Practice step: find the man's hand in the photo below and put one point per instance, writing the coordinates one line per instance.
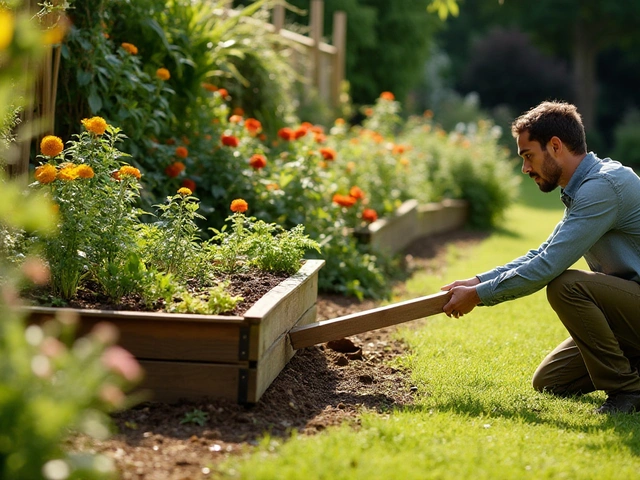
(464, 297)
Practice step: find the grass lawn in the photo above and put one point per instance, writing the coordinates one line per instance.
(476, 415)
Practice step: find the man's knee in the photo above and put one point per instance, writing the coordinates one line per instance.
(559, 289)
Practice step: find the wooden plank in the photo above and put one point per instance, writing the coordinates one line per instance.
(324, 331)
(173, 381)
(280, 309)
(179, 339)
(274, 360)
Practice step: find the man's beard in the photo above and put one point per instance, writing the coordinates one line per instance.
(550, 174)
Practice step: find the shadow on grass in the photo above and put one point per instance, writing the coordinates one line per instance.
(531, 409)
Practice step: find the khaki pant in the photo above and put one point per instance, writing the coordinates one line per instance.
(602, 315)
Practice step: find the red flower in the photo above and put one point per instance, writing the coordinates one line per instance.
(182, 152)
(286, 133)
(224, 93)
(190, 184)
(258, 161)
(235, 118)
(175, 169)
(387, 96)
(328, 153)
(230, 140)
(356, 193)
(300, 132)
(252, 125)
(369, 215)
(344, 200)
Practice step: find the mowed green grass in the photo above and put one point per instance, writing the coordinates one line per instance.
(475, 415)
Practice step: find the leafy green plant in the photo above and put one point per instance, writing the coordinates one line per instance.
(213, 301)
(196, 416)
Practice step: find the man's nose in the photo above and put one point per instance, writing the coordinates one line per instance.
(526, 167)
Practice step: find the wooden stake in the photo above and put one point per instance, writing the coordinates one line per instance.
(340, 42)
(374, 319)
(317, 12)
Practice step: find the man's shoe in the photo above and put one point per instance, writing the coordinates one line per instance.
(621, 403)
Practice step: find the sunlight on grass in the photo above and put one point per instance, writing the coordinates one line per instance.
(475, 415)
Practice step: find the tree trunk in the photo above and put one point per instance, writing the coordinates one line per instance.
(584, 71)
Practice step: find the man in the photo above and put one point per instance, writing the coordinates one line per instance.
(600, 308)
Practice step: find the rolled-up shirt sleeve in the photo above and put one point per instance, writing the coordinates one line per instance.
(592, 213)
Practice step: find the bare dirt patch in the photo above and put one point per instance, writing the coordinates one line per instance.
(322, 386)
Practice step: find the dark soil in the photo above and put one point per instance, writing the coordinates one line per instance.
(321, 386)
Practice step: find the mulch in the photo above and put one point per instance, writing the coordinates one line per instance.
(322, 386)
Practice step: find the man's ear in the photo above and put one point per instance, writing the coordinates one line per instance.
(555, 144)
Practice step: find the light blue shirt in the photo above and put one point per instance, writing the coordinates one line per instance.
(601, 223)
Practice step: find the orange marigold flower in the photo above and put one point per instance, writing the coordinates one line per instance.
(163, 74)
(175, 169)
(387, 96)
(368, 112)
(428, 114)
(344, 200)
(369, 215)
(262, 137)
(339, 121)
(235, 118)
(258, 161)
(356, 192)
(404, 161)
(130, 47)
(398, 149)
(323, 164)
(85, 171)
(351, 166)
(328, 153)
(45, 173)
(286, 133)
(182, 152)
(273, 186)
(170, 141)
(320, 137)
(186, 141)
(67, 172)
(190, 184)
(184, 191)
(209, 87)
(224, 93)
(300, 132)
(128, 170)
(51, 146)
(252, 125)
(239, 205)
(230, 140)
(96, 125)
(317, 129)
(238, 111)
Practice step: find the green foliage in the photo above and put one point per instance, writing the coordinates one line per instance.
(627, 140)
(196, 416)
(254, 243)
(214, 301)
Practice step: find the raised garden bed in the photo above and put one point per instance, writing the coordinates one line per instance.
(187, 356)
(412, 221)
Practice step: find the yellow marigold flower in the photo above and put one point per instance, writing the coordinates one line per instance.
(130, 47)
(85, 171)
(51, 146)
(6, 32)
(45, 173)
(130, 171)
(239, 205)
(163, 74)
(67, 172)
(96, 125)
(184, 191)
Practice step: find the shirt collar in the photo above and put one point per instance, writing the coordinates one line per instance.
(578, 176)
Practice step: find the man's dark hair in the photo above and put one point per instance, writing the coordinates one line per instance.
(551, 119)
